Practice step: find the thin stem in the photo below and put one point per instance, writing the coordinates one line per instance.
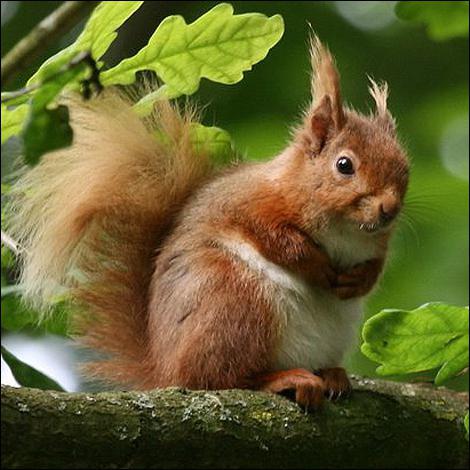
(38, 40)
(80, 58)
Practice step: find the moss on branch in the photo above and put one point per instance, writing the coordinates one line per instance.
(383, 425)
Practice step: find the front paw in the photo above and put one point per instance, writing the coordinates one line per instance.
(358, 280)
(345, 292)
(336, 382)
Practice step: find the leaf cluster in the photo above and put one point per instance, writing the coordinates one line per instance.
(433, 336)
(219, 46)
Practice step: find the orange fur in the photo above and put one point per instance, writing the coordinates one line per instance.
(184, 277)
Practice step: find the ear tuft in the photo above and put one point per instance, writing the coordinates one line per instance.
(325, 80)
(379, 93)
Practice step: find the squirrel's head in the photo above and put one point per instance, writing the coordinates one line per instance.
(353, 163)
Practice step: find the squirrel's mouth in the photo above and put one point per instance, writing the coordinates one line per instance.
(373, 227)
(370, 227)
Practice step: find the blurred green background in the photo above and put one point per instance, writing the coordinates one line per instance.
(427, 71)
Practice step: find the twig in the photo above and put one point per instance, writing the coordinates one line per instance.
(38, 40)
(80, 58)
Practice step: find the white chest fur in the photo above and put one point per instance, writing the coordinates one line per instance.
(317, 328)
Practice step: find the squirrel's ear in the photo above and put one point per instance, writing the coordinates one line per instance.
(325, 82)
(325, 115)
(317, 126)
(382, 115)
(320, 124)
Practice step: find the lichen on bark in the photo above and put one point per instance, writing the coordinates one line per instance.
(383, 425)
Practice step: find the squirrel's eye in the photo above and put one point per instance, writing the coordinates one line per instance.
(345, 166)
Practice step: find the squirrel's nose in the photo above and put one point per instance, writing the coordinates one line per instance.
(389, 208)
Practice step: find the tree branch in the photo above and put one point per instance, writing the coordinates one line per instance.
(39, 39)
(383, 425)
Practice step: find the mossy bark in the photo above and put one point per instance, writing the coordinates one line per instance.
(383, 425)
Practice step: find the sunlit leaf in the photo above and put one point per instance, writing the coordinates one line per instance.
(96, 37)
(48, 129)
(13, 120)
(28, 376)
(434, 335)
(443, 20)
(14, 98)
(219, 46)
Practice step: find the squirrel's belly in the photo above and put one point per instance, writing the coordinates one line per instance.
(316, 328)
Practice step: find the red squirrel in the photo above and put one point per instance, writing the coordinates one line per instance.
(183, 275)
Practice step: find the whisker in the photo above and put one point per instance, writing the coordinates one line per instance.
(406, 224)
(423, 212)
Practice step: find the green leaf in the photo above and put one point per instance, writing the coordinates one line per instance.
(213, 141)
(145, 105)
(14, 98)
(100, 30)
(28, 376)
(431, 336)
(219, 46)
(46, 131)
(8, 260)
(443, 20)
(17, 316)
(96, 37)
(465, 423)
(13, 120)
(53, 84)
(24, 117)
(454, 365)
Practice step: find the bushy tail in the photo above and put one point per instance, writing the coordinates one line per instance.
(91, 217)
